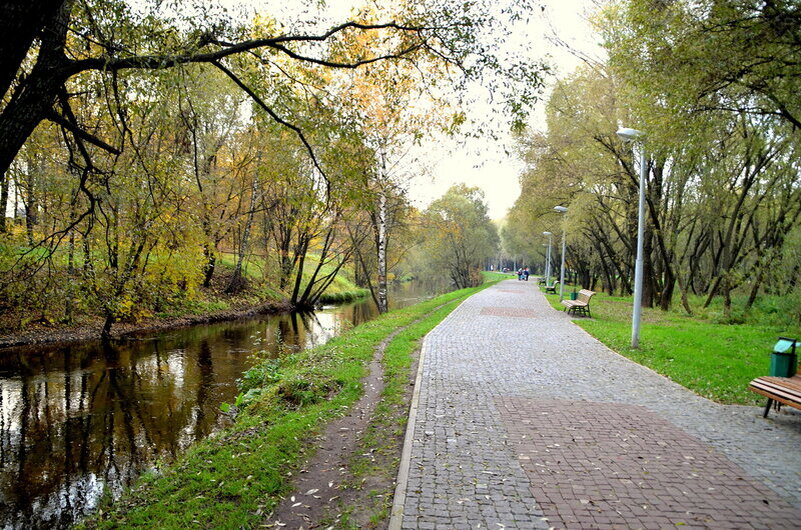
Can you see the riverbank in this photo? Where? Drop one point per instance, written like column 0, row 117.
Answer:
column 237, row 478
column 53, row 333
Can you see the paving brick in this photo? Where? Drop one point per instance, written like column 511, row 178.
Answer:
column 523, row 416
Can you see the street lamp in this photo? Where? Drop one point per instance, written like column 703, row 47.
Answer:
column 562, row 210
column 632, row 135
column 548, row 260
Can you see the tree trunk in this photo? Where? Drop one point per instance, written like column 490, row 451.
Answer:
column 209, row 266
column 4, row 191
column 381, row 247
column 754, row 289
column 21, row 21
column 31, row 208
column 33, row 99
column 685, row 302
column 726, row 300
column 237, row 282
column 303, row 247
column 666, row 296
column 68, row 307
column 105, row 333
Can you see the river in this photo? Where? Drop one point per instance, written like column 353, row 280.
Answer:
column 81, row 421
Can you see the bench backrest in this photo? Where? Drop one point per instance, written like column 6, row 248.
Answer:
column 584, row 295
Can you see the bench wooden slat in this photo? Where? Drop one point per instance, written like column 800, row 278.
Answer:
column 790, row 383
column 785, row 390
column 778, row 393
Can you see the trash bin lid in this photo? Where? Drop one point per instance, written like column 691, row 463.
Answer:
column 784, row 345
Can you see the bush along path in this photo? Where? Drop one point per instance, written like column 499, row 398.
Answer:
column 238, row 477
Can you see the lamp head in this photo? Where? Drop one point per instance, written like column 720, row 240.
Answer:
column 547, row 234
column 629, row 134
column 560, row 209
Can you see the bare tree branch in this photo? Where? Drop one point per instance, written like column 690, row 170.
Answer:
column 277, row 118
column 80, row 133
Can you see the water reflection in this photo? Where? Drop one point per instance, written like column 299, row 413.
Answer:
column 82, row 420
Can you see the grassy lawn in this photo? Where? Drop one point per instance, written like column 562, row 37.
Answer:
column 234, row 479
column 383, row 438
column 713, row 359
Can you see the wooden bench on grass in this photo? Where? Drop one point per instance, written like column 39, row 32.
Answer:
column 778, row 390
column 552, row 288
column 580, row 305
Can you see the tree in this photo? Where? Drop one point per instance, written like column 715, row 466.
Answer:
column 718, row 55
column 106, row 37
column 460, row 235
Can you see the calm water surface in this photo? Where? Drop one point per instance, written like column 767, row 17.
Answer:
column 82, row 420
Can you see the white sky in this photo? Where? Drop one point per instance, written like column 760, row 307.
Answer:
column 485, row 163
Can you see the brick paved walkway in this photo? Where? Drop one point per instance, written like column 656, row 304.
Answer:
column 522, row 420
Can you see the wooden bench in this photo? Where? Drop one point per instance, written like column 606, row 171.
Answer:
column 552, row 288
column 580, row 305
column 778, row 390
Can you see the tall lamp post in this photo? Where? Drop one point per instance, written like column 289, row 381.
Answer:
column 548, row 260
column 632, row 135
column 562, row 210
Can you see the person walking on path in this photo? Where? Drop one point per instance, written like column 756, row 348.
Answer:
column 539, row 425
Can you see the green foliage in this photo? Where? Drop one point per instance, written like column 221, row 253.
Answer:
column 459, row 235
column 721, row 145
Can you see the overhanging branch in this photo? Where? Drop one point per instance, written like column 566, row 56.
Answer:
column 276, row 118
column 80, row 133
column 277, row 43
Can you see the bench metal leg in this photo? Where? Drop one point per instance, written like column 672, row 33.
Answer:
column 767, row 408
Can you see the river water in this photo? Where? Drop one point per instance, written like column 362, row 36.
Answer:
column 81, row 421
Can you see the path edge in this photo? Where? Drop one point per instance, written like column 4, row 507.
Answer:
column 399, row 499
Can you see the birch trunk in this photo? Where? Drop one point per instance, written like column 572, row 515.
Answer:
column 381, row 246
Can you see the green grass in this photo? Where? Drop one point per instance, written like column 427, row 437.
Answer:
column 496, row 276
column 382, row 441
column 234, row 479
column 713, row 359
column 343, row 296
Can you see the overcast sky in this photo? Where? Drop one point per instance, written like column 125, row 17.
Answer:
column 484, row 163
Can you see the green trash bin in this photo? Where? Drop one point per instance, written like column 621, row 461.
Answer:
column 573, row 295
column 783, row 360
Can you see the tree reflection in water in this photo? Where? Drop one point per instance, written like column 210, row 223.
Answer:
column 82, row 420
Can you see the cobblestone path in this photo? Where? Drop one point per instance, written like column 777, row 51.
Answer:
column 522, row 420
